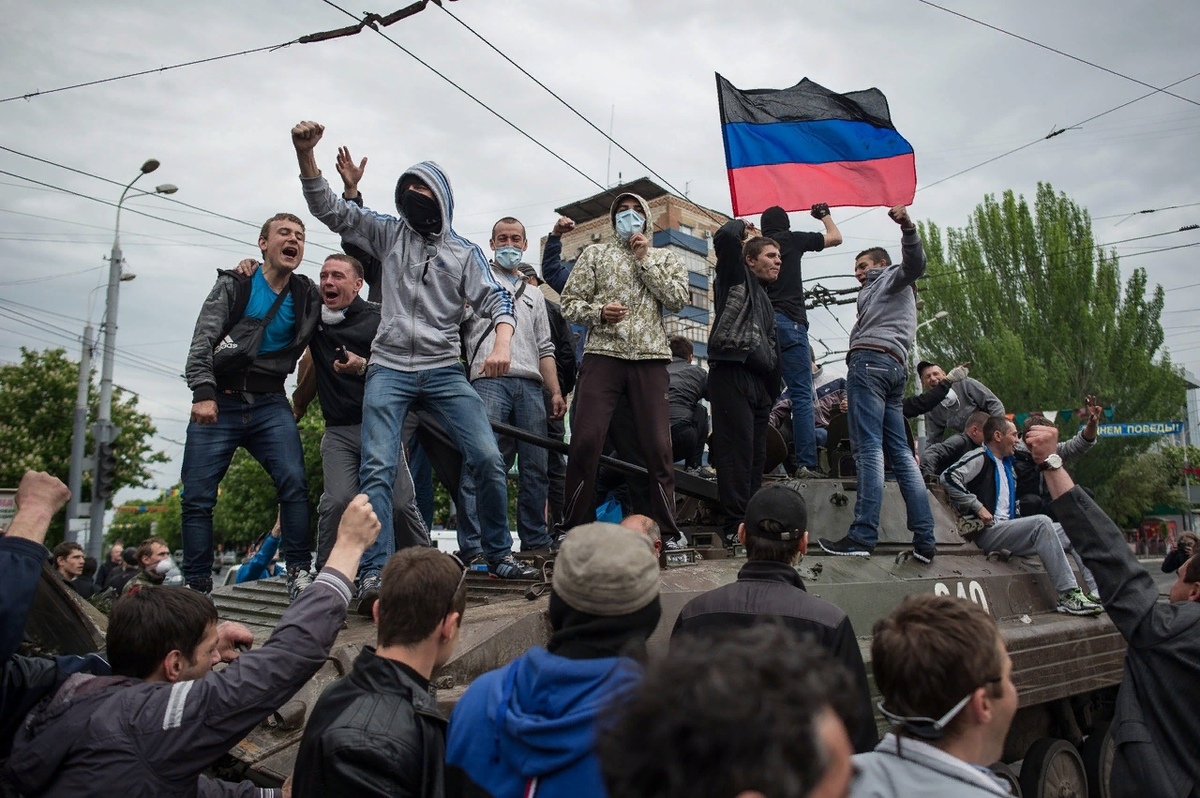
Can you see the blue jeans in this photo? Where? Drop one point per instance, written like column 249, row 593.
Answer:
column 516, row 401
column 422, row 476
column 796, row 365
column 446, row 392
column 266, row 429
column 875, row 391
column 821, row 436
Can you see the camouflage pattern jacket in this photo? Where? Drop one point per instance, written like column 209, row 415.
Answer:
column 607, row 273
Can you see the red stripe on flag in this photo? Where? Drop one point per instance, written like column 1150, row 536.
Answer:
column 797, row 186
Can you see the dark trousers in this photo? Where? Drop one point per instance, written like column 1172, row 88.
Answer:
column 556, row 466
column 741, row 406
column 688, row 438
column 602, row 382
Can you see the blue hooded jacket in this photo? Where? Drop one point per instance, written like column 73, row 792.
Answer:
column 527, row 729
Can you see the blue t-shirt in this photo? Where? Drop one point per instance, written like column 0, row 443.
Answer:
column 282, row 329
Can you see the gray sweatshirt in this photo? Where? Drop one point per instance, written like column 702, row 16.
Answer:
column 965, row 398
column 426, row 279
column 887, row 303
column 530, row 342
column 913, row 767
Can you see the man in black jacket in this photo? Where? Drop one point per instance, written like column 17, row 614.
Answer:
column 775, row 537
column 688, row 384
column 791, row 322
column 744, row 370
column 1155, row 727
column 238, row 397
column 940, row 456
column 340, row 349
column 378, row 731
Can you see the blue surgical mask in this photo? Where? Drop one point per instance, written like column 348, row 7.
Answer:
column 629, row 222
column 508, row 258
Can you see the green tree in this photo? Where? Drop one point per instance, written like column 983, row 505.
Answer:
column 1043, row 316
column 136, row 527
column 37, row 407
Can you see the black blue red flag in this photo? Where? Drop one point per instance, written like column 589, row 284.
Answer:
column 800, row 146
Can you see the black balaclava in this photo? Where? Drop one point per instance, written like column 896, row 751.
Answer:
column 422, row 213
column 580, row 635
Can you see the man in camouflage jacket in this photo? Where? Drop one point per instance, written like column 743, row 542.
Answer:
column 620, row 290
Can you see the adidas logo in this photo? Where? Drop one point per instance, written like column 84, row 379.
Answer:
column 228, row 343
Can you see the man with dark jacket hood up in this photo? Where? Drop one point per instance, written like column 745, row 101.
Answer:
column 744, row 365
column 529, row 727
column 619, row 290
column 791, row 320
column 429, row 273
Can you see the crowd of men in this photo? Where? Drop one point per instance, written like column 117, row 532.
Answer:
column 764, row 691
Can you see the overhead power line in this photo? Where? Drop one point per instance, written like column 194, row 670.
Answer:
column 1055, row 50
column 162, row 197
column 135, row 211
column 30, row 95
column 569, row 107
column 365, row 20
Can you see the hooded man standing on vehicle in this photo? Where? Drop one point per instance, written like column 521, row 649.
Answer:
column 429, row 273
column 619, row 290
column 250, row 333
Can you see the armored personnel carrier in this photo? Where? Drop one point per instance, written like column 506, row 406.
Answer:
column 1066, row 668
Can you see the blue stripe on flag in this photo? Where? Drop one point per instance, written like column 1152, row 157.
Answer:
column 810, row 143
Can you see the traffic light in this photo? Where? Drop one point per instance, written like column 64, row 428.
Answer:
column 106, row 470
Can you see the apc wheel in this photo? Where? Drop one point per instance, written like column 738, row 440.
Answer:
column 1008, row 776
column 1053, row 769
column 1097, row 753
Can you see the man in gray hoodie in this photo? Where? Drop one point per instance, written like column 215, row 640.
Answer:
column 429, row 274
column 879, row 344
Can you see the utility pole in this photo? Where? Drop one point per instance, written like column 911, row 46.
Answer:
column 79, row 431
column 104, row 432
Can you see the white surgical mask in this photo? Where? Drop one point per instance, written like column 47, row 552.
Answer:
column 332, row 317
column 629, row 222
column 508, row 258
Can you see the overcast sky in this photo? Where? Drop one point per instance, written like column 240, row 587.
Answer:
column 960, row 93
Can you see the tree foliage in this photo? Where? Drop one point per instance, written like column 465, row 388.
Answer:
column 1042, row 314
column 37, row 411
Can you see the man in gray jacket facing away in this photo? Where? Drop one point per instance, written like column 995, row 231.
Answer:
column 949, row 696
column 965, row 397
column 879, row 343
column 164, row 716
column 429, row 274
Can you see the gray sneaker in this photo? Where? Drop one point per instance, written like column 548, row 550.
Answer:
column 512, row 568
column 1094, row 597
column 297, row 581
column 1073, row 602
column 809, row 473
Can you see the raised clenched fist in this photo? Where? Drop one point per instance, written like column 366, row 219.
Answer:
column 306, row 135
column 900, row 216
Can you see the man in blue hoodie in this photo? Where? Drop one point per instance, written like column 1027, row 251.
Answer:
column 529, row 727
column 879, row 344
column 429, row 273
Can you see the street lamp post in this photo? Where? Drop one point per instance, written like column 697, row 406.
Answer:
column 104, row 432
column 916, row 358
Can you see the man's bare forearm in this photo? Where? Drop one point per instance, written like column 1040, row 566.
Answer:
column 308, row 163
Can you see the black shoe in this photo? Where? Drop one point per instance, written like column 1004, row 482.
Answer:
column 925, row 555
column 845, row 547
column 368, row 594
column 556, row 544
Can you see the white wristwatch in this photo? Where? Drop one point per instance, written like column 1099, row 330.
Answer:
column 1051, row 463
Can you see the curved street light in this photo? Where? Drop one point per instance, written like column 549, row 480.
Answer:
column 104, row 432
